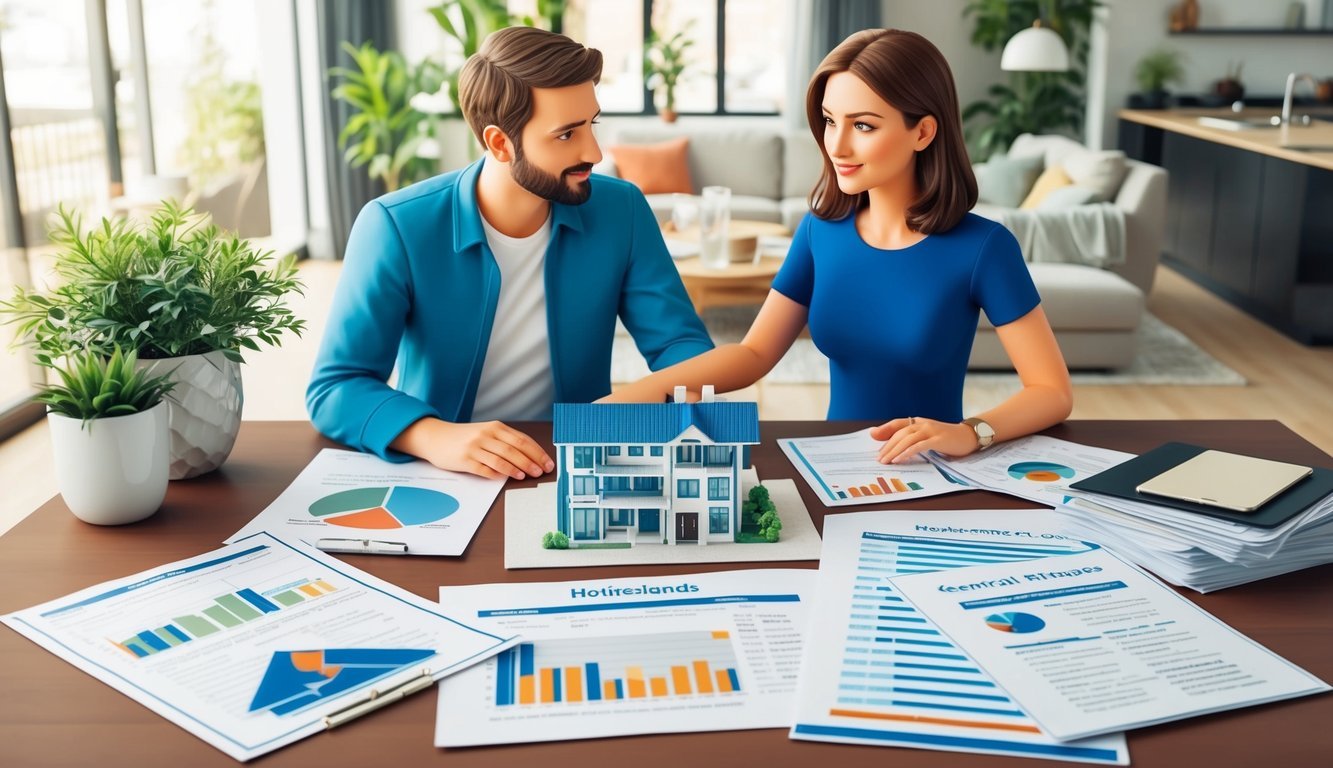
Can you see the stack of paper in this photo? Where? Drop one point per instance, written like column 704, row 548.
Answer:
column 1185, row 548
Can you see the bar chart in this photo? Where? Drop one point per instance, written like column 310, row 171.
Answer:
column 225, row 612
column 879, row 486
column 633, row 667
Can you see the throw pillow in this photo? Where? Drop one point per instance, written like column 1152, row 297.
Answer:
column 1005, row 180
column 1050, row 180
column 1067, row 197
column 1101, row 171
column 655, row 168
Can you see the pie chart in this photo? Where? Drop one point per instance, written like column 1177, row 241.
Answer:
column 384, row 507
column 1040, row 471
column 1018, row 623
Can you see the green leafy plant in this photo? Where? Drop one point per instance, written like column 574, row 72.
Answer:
column 1031, row 102
column 555, row 540
column 664, row 62
column 756, row 503
column 385, row 131
column 1159, row 69
column 167, row 288
column 94, row 387
column 770, row 527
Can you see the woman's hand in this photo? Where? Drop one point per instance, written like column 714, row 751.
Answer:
column 490, row 449
column 905, row 438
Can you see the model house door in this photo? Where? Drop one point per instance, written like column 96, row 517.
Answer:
column 687, row 526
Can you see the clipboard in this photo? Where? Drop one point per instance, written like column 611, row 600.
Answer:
column 1122, row 480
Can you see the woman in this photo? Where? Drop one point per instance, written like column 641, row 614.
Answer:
column 890, row 270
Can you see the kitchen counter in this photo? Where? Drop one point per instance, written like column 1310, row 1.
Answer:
column 1271, row 141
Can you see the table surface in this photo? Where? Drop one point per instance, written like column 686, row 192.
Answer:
column 53, row 714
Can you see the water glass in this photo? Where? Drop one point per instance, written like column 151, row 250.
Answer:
column 684, row 210
column 714, row 226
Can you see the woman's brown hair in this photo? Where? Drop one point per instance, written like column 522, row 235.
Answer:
column 909, row 73
column 495, row 85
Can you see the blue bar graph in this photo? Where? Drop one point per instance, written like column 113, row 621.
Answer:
column 181, row 636
column 153, row 641
column 592, row 672
column 253, row 598
column 504, row 678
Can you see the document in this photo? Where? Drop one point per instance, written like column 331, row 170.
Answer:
column 250, row 647
column 877, row 671
column 346, row 497
column 1089, row 644
column 1037, row 467
column 616, row 657
column 844, row 470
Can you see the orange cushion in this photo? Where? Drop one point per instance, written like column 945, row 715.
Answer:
column 655, row 168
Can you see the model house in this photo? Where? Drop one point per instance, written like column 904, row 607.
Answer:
column 652, row 473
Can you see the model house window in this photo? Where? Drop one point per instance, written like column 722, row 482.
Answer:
column 620, row 517
column 655, row 450
column 717, row 455
column 636, row 450
column 615, row 484
column 583, row 458
column 687, row 489
column 585, row 523
column 585, row 485
column 648, row 484
column 719, row 519
column 719, row 488
column 612, row 450
column 688, row 454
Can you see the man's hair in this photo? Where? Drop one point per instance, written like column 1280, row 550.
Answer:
column 910, row 73
column 495, row 86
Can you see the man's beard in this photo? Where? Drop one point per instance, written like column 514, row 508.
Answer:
column 549, row 187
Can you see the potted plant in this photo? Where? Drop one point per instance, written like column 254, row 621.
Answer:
column 108, row 421
column 185, row 296
column 663, row 64
column 1153, row 73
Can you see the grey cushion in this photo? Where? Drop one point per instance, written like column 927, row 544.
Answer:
column 1101, row 171
column 1067, row 197
column 748, row 161
column 803, row 161
column 1005, row 180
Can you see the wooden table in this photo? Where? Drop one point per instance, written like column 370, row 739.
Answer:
column 741, row 282
column 53, row 714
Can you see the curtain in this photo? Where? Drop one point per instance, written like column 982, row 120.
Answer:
column 354, row 21
column 819, row 26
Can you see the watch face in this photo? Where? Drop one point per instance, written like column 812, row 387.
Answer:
column 984, row 430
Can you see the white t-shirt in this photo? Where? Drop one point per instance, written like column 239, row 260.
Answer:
column 516, row 380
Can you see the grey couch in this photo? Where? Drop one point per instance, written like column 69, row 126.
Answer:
column 1094, row 312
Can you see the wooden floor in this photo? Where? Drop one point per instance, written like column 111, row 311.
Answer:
column 1288, row 382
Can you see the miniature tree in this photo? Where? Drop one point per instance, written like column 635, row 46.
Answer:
column 770, row 526
column 757, row 503
column 555, row 540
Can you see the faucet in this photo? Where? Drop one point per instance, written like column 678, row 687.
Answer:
column 1286, row 95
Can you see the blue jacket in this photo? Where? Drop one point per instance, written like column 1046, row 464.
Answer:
column 419, row 289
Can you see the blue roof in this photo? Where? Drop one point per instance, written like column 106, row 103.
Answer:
column 612, row 423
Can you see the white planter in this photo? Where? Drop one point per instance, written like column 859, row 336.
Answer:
column 205, row 410
column 112, row 471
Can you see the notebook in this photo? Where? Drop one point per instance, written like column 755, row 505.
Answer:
column 1226, row 480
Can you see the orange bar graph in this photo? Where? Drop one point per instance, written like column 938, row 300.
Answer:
column 854, row 491
column 723, row 681
column 310, row 589
column 548, row 685
column 634, row 681
column 680, row 679
column 702, row 677
column 609, row 690
column 324, row 585
column 658, row 686
column 721, row 634
column 867, row 490
column 573, row 684
column 883, row 485
column 527, row 689
column 899, row 485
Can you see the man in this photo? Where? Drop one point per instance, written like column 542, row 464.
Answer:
column 495, row 289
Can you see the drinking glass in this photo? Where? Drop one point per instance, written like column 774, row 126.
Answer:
column 714, row 223
column 684, row 210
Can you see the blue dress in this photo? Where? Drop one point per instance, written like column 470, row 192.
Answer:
column 897, row 326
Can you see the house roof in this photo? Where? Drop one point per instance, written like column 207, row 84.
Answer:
column 648, row 423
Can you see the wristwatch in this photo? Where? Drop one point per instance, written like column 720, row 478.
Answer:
column 985, row 432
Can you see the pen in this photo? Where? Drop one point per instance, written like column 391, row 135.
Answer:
column 378, row 699
column 362, row 546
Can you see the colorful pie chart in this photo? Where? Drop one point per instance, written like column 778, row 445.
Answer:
column 1040, row 471
column 1018, row 623
column 395, row 506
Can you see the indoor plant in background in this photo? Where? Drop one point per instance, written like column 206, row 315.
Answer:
column 1153, row 73
column 108, row 421
column 185, row 296
column 663, row 64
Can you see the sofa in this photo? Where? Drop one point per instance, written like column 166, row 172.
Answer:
column 1095, row 305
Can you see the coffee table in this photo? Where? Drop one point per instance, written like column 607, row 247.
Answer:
column 741, row 282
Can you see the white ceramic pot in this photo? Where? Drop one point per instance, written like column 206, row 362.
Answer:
column 205, row 410
column 112, row 471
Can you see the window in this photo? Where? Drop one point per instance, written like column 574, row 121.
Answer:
column 689, row 454
column 615, row 485
column 585, row 523
column 584, row 485
column 717, row 455
column 719, row 519
column 620, row 517
column 687, row 489
column 731, row 73
column 612, row 450
column 655, row 450
column 583, row 458
column 719, row 489
column 636, row 450
column 648, row 484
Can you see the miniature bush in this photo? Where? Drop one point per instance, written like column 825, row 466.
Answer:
column 770, row 526
column 757, row 505
column 555, row 540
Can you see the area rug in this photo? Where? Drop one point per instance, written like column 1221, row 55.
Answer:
column 1166, row 356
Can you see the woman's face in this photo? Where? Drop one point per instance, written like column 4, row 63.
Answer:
column 866, row 138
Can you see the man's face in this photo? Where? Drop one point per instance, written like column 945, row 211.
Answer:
column 556, row 155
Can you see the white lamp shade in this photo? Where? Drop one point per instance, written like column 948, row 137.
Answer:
column 1035, row 49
